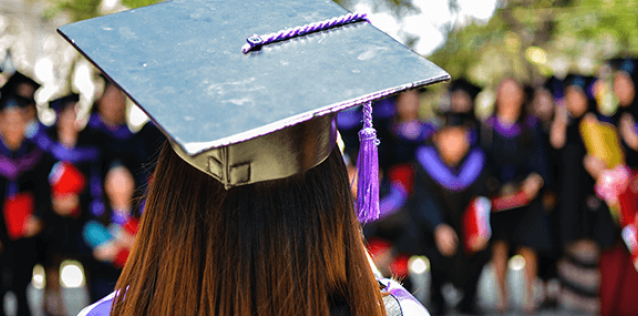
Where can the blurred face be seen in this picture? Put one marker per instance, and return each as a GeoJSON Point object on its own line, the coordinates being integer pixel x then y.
{"type": "Point", "coordinates": [408, 106]}
{"type": "Point", "coordinates": [576, 101]}
{"type": "Point", "coordinates": [13, 127]}
{"type": "Point", "coordinates": [452, 144]}
{"type": "Point", "coordinates": [119, 186]}
{"type": "Point", "coordinates": [624, 89]}
{"type": "Point", "coordinates": [112, 106]}
{"type": "Point", "coordinates": [25, 90]}
{"type": "Point", "coordinates": [509, 100]}
{"type": "Point", "coordinates": [543, 106]}
{"type": "Point", "coordinates": [67, 117]}
{"type": "Point", "coordinates": [461, 102]}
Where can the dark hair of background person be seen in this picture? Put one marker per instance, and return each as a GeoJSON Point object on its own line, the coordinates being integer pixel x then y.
{"type": "Point", "coordinates": [283, 247]}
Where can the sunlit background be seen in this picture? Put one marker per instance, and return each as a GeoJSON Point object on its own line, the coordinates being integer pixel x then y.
{"type": "Point", "coordinates": [483, 40]}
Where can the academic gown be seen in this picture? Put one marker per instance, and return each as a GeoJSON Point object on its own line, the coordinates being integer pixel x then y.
{"type": "Point", "coordinates": [582, 214]}
{"type": "Point", "coordinates": [23, 174]}
{"type": "Point", "coordinates": [135, 150]}
{"type": "Point", "coordinates": [631, 156]}
{"type": "Point", "coordinates": [63, 234]}
{"type": "Point", "coordinates": [441, 196]}
{"type": "Point", "coordinates": [398, 302]}
{"type": "Point", "coordinates": [405, 138]}
{"type": "Point", "coordinates": [547, 260]}
{"type": "Point", "coordinates": [391, 223]}
{"type": "Point", "coordinates": [513, 153]}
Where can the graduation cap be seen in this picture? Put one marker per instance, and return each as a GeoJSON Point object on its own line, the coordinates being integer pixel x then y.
{"type": "Point", "coordinates": [13, 86]}
{"type": "Point", "coordinates": [627, 65]}
{"type": "Point", "coordinates": [453, 119]}
{"type": "Point", "coordinates": [462, 84]}
{"type": "Point", "coordinates": [584, 83]}
{"type": "Point", "coordinates": [11, 100]}
{"type": "Point", "coordinates": [247, 91]}
{"type": "Point", "coordinates": [59, 104]}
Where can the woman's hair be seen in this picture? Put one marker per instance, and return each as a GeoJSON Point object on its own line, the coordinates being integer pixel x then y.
{"type": "Point", "coordinates": [283, 247]}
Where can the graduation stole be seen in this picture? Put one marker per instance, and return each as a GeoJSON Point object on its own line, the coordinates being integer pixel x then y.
{"type": "Point", "coordinates": [469, 172]}
{"type": "Point", "coordinates": [18, 206]}
{"type": "Point", "coordinates": [37, 134]}
{"type": "Point", "coordinates": [121, 132]}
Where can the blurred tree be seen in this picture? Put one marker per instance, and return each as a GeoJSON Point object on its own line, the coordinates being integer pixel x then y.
{"type": "Point", "coordinates": [529, 39]}
{"type": "Point", "coordinates": [86, 9]}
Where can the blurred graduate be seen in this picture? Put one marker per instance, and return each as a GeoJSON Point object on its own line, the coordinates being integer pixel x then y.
{"type": "Point", "coordinates": [512, 143]}
{"type": "Point", "coordinates": [25, 196]}
{"type": "Point", "coordinates": [450, 211]}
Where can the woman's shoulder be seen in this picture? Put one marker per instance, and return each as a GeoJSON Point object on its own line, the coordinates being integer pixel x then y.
{"type": "Point", "coordinates": [99, 308]}
{"type": "Point", "coordinates": [398, 301]}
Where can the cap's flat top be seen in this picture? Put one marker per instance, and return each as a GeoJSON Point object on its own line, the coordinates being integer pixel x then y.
{"type": "Point", "coordinates": [182, 62]}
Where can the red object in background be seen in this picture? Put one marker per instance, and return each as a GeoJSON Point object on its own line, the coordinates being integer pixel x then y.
{"type": "Point", "coordinates": [120, 258]}
{"type": "Point", "coordinates": [618, 283]}
{"type": "Point", "coordinates": [399, 266]}
{"type": "Point", "coordinates": [476, 224]}
{"type": "Point", "coordinates": [18, 209]}
{"type": "Point", "coordinates": [65, 178]}
{"type": "Point", "coordinates": [510, 201]}
{"type": "Point", "coordinates": [132, 226]}
{"type": "Point", "coordinates": [378, 246]}
{"type": "Point", "coordinates": [403, 173]}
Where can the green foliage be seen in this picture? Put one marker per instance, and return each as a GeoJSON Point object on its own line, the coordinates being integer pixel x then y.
{"type": "Point", "coordinates": [138, 3]}
{"type": "Point", "coordinates": [529, 39]}
{"type": "Point", "coordinates": [86, 9]}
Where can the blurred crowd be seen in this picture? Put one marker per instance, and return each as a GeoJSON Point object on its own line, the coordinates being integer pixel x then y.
{"type": "Point", "coordinates": [70, 190]}
{"type": "Point", "coordinates": [548, 175]}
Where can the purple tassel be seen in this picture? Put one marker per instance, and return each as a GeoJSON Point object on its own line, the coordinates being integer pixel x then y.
{"type": "Point", "coordinates": [368, 169]}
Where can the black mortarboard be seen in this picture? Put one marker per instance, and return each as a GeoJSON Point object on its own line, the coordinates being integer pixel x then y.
{"type": "Point", "coordinates": [585, 83]}
{"type": "Point", "coordinates": [463, 85]}
{"type": "Point", "coordinates": [553, 85]}
{"type": "Point", "coordinates": [11, 86]}
{"type": "Point", "coordinates": [11, 100]}
{"type": "Point", "coordinates": [246, 117]}
{"type": "Point", "coordinates": [627, 65]}
{"type": "Point", "coordinates": [59, 104]}
{"type": "Point", "coordinates": [453, 119]}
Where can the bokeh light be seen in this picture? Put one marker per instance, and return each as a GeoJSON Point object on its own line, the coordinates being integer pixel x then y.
{"type": "Point", "coordinates": [71, 274]}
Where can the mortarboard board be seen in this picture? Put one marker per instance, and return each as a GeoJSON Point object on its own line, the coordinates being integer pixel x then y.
{"type": "Point", "coordinates": [627, 65]}
{"type": "Point", "coordinates": [59, 104]}
{"type": "Point", "coordinates": [584, 83]}
{"type": "Point", "coordinates": [11, 86]}
{"type": "Point", "coordinates": [453, 119]}
{"type": "Point", "coordinates": [243, 115]}
{"type": "Point", "coordinates": [463, 85]}
{"type": "Point", "coordinates": [11, 100]}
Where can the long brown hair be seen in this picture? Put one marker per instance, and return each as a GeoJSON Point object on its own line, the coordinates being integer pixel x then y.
{"type": "Point", "coordinates": [284, 247]}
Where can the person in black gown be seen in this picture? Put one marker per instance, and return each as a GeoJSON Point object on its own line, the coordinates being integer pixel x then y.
{"type": "Point", "coordinates": [74, 170]}
{"type": "Point", "coordinates": [586, 225]}
{"type": "Point", "coordinates": [618, 275]}
{"type": "Point", "coordinates": [136, 150]}
{"type": "Point", "coordinates": [511, 142]}
{"type": "Point", "coordinates": [542, 107]}
{"type": "Point", "coordinates": [624, 77]}
{"type": "Point", "coordinates": [25, 198]}
{"type": "Point", "coordinates": [407, 130]}
{"type": "Point", "coordinates": [449, 175]}
{"type": "Point", "coordinates": [25, 87]}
